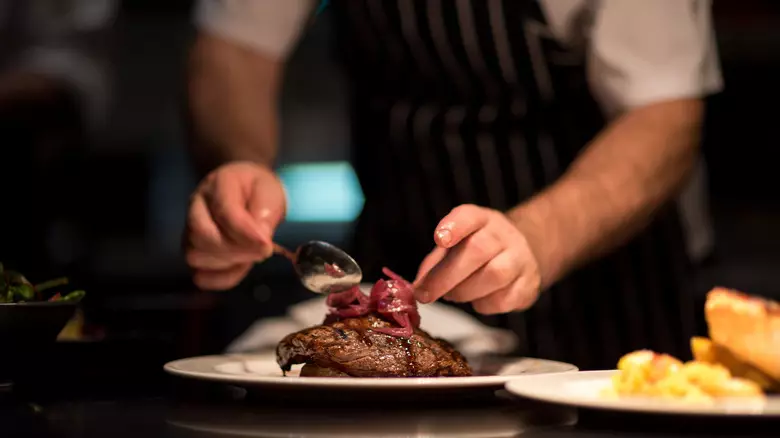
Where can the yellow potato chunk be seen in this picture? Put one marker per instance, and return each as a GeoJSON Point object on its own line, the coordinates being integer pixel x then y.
{"type": "Point", "coordinates": [646, 373]}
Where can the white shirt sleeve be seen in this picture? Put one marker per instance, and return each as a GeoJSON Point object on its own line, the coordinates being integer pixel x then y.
{"type": "Point", "coordinates": [642, 52]}
{"type": "Point", "coordinates": [269, 26]}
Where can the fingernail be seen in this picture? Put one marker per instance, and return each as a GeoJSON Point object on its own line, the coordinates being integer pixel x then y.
{"type": "Point", "coordinates": [444, 236]}
{"type": "Point", "coordinates": [422, 295]}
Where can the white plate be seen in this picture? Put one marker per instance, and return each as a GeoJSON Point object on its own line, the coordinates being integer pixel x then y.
{"type": "Point", "coordinates": [583, 389]}
{"type": "Point", "coordinates": [244, 370]}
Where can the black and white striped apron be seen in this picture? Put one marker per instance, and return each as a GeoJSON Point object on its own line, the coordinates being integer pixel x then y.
{"type": "Point", "coordinates": [472, 101]}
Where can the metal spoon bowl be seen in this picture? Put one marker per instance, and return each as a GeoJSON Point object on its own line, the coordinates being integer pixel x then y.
{"type": "Point", "coordinates": [323, 268]}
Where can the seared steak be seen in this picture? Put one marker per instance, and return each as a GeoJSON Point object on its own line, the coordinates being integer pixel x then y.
{"type": "Point", "coordinates": [351, 347]}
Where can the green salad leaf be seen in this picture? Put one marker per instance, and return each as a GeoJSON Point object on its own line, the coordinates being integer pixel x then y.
{"type": "Point", "coordinates": [15, 288]}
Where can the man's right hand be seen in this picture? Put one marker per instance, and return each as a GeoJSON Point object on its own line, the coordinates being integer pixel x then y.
{"type": "Point", "coordinates": [232, 217]}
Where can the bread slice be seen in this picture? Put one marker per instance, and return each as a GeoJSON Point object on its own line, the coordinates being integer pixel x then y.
{"type": "Point", "coordinates": [704, 350]}
{"type": "Point", "coordinates": [747, 326]}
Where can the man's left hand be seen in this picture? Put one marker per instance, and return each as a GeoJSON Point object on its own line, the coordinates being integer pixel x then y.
{"type": "Point", "coordinates": [480, 257]}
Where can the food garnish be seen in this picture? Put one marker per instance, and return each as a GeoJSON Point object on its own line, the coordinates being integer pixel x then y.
{"type": "Point", "coordinates": [334, 270]}
{"type": "Point", "coordinates": [15, 288]}
{"type": "Point", "coordinates": [393, 299]}
{"type": "Point", "coordinates": [375, 335]}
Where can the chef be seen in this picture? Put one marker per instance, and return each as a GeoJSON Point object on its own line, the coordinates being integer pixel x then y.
{"type": "Point", "coordinates": [536, 146]}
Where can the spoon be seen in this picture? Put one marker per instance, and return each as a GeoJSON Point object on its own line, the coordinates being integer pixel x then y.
{"type": "Point", "coordinates": [323, 268]}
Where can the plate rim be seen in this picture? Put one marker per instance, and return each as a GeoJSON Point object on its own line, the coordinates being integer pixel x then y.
{"type": "Point", "coordinates": [175, 368]}
{"type": "Point", "coordinates": [517, 389]}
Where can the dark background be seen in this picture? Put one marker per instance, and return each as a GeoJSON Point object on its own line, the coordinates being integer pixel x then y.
{"type": "Point", "coordinates": [135, 180]}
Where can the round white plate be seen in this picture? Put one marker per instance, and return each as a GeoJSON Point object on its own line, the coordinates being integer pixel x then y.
{"type": "Point", "coordinates": [583, 389]}
{"type": "Point", "coordinates": [262, 370]}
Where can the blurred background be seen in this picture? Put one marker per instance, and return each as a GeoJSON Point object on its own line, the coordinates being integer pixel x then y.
{"type": "Point", "coordinates": [107, 197]}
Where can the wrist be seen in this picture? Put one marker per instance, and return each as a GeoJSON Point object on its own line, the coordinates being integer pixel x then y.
{"type": "Point", "coordinates": [538, 223]}
{"type": "Point", "coordinates": [210, 156]}
{"type": "Point", "coordinates": [259, 165]}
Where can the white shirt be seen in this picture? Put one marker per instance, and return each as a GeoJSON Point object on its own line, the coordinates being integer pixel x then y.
{"type": "Point", "coordinates": [638, 52]}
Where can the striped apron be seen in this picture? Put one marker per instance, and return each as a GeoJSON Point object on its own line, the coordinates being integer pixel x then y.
{"type": "Point", "coordinates": [473, 101]}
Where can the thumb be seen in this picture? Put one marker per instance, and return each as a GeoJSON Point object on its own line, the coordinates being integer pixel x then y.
{"type": "Point", "coordinates": [267, 206]}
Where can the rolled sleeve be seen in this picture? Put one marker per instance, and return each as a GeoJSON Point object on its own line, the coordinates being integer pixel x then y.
{"type": "Point", "coordinates": [269, 26]}
{"type": "Point", "coordinates": [643, 52]}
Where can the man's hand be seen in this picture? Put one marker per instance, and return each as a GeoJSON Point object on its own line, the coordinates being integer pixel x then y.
{"type": "Point", "coordinates": [482, 258]}
{"type": "Point", "coordinates": [232, 217]}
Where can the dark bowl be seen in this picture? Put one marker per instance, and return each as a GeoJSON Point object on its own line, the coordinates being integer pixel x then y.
{"type": "Point", "coordinates": [27, 330]}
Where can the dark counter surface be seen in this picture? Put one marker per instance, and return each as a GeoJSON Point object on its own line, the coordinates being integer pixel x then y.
{"type": "Point", "coordinates": [189, 409]}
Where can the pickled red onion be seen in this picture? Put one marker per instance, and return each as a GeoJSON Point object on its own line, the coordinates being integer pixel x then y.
{"type": "Point", "coordinates": [393, 299]}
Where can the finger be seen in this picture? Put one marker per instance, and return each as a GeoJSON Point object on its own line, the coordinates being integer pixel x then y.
{"type": "Point", "coordinates": [497, 274]}
{"type": "Point", "coordinates": [221, 279]}
{"type": "Point", "coordinates": [429, 262]}
{"type": "Point", "coordinates": [202, 231]}
{"type": "Point", "coordinates": [227, 203]}
{"type": "Point", "coordinates": [460, 223]}
{"type": "Point", "coordinates": [264, 207]}
{"type": "Point", "coordinates": [460, 262]}
{"type": "Point", "coordinates": [520, 295]}
{"type": "Point", "coordinates": [267, 204]}
{"type": "Point", "coordinates": [221, 260]}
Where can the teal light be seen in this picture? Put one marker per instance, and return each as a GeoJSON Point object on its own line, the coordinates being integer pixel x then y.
{"type": "Point", "coordinates": [322, 6]}
{"type": "Point", "coordinates": [321, 192]}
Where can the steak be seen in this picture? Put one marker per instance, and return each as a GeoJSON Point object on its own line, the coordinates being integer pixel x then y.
{"type": "Point", "coordinates": [351, 347]}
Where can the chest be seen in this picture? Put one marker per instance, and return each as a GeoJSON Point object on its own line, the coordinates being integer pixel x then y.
{"type": "Point", "coordinates": [471, 62]}
{"type": "Point", "coordinates": [452, 49]}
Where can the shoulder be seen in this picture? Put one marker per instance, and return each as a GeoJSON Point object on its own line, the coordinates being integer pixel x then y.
{"type": "Point", "coordinates": [641, 52]}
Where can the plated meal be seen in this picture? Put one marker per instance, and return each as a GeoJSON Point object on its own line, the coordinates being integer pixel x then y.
{"type": "Point", "coordinates": [734, 372]}
{"type": "Point", "coordinates": [741, 357]}
{"type": "Point", "coordinates": [375, 335]}
{"type": "Point", "coordinates": [367, 341]}
{"type": "Point", "coordinates": [15, 288]}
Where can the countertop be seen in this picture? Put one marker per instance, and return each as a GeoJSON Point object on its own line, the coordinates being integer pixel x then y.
{"type": "Point", "coordinates": [194, 409]}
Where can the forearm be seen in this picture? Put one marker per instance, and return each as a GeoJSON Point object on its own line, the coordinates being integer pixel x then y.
{"type": "Point", "coordinates": [613, 188]}
{"type": "Point", "coordinates": [232, 104]}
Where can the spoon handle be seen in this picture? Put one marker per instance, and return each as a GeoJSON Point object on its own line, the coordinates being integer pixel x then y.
{"type": "Point", "coordinates": [279, 249]}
